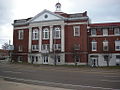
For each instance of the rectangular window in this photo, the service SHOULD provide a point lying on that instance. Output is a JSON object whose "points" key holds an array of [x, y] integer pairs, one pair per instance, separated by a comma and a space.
{"points": [[105, 46], [105, 32], [45, 47], [35, 34], [76, 30], [76, 46], [117, 45], [93, 32], [116, 31], [94, 46], [35, 47], [20, 34], [57, 46], [20, 48]]}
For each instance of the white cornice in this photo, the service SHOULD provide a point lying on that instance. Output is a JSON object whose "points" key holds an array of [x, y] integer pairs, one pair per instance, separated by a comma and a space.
{"points": [[103, 36], [44, 11], [76, 23]]}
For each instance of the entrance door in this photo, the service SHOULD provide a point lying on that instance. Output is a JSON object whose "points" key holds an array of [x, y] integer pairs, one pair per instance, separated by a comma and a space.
{"points": [[45, 59], [117, 59], [94, 62]]}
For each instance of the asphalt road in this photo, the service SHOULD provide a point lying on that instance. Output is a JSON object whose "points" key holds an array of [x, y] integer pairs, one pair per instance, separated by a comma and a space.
{"points": [[65, 77]]}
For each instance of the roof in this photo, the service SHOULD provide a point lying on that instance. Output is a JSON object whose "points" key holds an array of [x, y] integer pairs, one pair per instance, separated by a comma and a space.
{"points": [[58, 4], [74, 15], [62, 15], [105, 24]]}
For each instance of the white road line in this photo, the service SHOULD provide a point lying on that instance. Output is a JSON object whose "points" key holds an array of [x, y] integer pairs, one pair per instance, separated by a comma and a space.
{"points": [[53, 83], [112, 76], [117, 81], [11, 72]]}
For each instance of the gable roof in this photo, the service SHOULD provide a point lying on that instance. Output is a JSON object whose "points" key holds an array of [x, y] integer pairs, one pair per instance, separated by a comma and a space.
{"points": [[46, 11]]}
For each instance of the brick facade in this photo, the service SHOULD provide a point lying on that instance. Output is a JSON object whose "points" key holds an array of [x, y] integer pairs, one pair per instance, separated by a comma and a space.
{"points": [[66, 41]]}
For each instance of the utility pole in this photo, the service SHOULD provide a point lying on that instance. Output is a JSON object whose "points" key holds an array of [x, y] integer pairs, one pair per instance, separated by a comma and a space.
{"points": [[9, 50]]}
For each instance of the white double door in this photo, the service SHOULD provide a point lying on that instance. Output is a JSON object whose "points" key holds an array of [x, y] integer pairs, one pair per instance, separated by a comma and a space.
{"points": [[45, 59]]}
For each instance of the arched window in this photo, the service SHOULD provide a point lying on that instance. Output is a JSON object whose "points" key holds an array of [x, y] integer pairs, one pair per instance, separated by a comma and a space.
{"points": [[45, 33], [35, 34], [94, 45], [57, 33]]}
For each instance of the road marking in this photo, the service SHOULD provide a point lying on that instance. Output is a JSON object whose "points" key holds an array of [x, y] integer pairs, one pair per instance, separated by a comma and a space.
{"points": [[112, 76], [84, 71], [11, 72], [54, 83], [117, 81]]}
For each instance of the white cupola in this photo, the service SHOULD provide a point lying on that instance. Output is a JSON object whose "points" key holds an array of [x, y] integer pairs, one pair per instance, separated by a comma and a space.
{"points": [[58, 7]]}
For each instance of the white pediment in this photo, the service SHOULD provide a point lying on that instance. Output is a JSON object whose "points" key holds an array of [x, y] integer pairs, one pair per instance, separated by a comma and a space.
{"points": [[46, 16]]}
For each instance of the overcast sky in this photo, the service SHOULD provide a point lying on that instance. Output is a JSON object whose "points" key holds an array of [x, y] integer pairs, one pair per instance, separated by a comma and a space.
{"points": [[98, 11]]}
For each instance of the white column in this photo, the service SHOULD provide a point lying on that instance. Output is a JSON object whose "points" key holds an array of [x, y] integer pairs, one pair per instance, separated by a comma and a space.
{"points": [[51, 38], [40, 38], [30, 39], [62, 38]]}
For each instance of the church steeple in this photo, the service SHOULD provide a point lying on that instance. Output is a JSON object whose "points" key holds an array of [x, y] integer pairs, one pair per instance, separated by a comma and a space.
{"points": [[58, 7]]}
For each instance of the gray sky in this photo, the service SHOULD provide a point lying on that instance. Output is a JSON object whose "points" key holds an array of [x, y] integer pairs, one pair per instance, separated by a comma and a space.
{"points": [[98, 11]]}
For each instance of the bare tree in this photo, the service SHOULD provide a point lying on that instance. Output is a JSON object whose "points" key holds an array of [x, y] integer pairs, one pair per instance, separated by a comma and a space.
{"points": [[107, 58], [5, 46], [76, 53], [107, 54]]}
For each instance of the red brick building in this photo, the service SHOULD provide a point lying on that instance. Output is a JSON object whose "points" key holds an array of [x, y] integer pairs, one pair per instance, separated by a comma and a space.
{"points": [[104, 43], [61, 38]]}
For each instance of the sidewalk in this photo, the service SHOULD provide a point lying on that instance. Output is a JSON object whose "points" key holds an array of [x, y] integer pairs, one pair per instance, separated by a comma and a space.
{"points": [[65, 68], [6, 85]]}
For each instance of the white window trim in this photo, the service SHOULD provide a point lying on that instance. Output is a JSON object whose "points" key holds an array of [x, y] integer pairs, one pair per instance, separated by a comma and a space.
{"points": [[35, 58], [57, 29], [117, 31], [45, 30], [35, 48], [94, 42], [117, 43], [20, 48], [74, 28], [92, 32], [57, 58], [47, 47], [105, 32], [45, 59], [20, 34], [77, 46], [105, 44], [20, 58], [77, 59], [57, 46], [35, 34]]}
